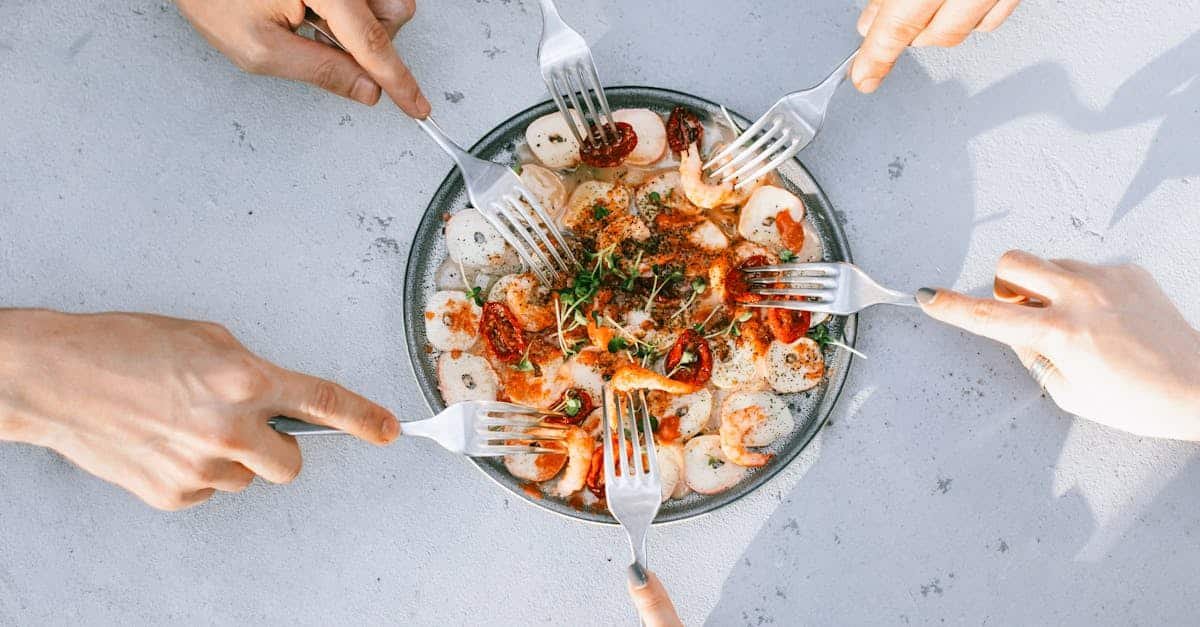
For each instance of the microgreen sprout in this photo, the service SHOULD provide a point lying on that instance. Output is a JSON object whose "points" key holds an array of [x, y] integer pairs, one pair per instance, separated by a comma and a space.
{"points": [[698, 287], [732, 329], [661, 281]]}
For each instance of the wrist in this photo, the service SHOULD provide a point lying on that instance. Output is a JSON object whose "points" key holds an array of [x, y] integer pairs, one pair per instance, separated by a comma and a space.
{"points": [[18, 369]]}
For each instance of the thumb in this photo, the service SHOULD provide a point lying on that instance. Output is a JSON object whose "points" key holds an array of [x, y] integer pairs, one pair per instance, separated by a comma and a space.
{"points": [[302, 59], [650, 598], [1009, 323]]}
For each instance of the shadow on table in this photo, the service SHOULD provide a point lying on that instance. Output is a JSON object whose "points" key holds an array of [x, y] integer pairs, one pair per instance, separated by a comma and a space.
{"points": [[1053, 515]]}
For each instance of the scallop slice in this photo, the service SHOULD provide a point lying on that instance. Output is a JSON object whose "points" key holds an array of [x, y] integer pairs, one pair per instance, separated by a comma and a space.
{"points": [[757, 220], [651, 135], [498, 293], [536, 468], [551, 140], [813, 249], [546, 186], [795, 367], [581, 208], [530, 301], [738, 369], [779, 421], [681, 487], [663, 192], [708, 236], [451, 321], [466, 377], [448, 276], [472, 241], [577, 374], [670, 468], [692, 410], [705, 467]]}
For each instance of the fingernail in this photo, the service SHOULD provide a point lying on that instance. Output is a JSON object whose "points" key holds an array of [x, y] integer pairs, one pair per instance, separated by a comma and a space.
{"points": [[390, 428], [868, 85], [925, 295], [423, 104], [365, 91], [637, 575]]}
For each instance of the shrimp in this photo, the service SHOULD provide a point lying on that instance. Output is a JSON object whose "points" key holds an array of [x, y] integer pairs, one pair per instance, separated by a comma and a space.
{"points": [[530, 302], [629, 378], [691, 179], [735, 425], [579, 458]]}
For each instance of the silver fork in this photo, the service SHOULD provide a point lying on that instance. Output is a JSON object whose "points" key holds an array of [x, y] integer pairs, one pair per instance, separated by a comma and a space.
{"points": [[784, 130], [635, 494], [472, 428], [497, 193], [568, 68], [837, 288]]}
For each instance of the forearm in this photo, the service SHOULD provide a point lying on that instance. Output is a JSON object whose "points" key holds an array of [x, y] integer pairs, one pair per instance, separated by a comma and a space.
{"points": [[18, 368]]}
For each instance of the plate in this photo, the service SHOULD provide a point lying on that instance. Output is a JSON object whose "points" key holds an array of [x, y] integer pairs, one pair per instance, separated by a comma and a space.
{"points": [[810, 409]]}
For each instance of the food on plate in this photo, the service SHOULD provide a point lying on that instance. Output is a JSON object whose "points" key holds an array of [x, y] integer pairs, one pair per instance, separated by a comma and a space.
{"points": [[657, 311]]}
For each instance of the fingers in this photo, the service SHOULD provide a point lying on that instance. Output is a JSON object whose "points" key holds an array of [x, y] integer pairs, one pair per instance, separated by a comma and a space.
{"points": [[1020, 275], [271, 455], [231, 477], [322, 402], [369, 42], [651, 599], [1054, 383], [893, 29], [1004, 322], [867, 17], [997, 15], [953, 22], [392, 13], [303, 59]]}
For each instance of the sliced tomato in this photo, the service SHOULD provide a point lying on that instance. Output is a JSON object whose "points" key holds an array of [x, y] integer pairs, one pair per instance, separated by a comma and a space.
{"points": [[683, 128], [790, 231], [787, 325], [503, 334], [565, 416], [690, 359], [668, 429], [737, 288], [599, 153]]}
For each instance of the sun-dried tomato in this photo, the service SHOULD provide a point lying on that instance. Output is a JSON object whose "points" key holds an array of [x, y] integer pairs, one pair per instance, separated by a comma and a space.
{"points": [[500, 329], [565, 405], [788, 325], [737, 287], [690, 359], [683, 128], [600, 151], [790, 231]]}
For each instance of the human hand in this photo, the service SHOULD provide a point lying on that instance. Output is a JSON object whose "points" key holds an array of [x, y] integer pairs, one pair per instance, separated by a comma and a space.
{"points": [[1123, 355], [650, 598], [168, 409], [890, 26], [259, 36]]}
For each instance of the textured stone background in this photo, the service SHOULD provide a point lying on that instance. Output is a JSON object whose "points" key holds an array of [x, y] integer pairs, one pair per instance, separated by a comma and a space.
{"points": [[140, 171]]}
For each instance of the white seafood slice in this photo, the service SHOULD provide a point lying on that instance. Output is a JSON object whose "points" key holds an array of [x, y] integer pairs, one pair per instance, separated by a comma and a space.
{"points": [[757, 220], [670, 468], [465, 377], [794, 367], [530, 301], [449, 276], [818, 318], [813, 249], [547, 187], [576, 373], [778, 417], [536, 468], [581, 208], [737, 367], [552, 142], [651, 135], [706, 468], [693, 411], [708, 236], [472, 241], [681, 487], [621, 227], [498, 293], [662, 192], [484, 282], [451, 321]]}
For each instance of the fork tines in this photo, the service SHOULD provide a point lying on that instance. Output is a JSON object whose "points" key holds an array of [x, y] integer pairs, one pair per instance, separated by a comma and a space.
{"points": [[530, 230], [771, 139], [623, 410], [812, 282], [506, 428], [581, 82]]}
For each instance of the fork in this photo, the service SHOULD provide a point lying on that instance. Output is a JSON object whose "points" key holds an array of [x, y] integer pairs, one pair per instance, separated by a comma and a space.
{"points": [[472, 428], [837, 288], [497, 193], [635, 494], [567, 67], [784, 130]]}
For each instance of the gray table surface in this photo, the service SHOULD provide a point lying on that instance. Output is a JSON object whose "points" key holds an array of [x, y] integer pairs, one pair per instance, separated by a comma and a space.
{"points": [[139, 170]]}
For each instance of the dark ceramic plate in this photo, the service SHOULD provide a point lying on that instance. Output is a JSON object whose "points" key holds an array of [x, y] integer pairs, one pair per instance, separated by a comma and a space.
{"points": [[810, 409]]}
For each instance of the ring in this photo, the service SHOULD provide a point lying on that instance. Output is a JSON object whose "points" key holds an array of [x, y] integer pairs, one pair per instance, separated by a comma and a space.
{"points": [[1040, 370]]}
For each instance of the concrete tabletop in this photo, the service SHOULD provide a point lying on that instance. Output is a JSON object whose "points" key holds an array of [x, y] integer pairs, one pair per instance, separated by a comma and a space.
{"points": [[139, 170]]}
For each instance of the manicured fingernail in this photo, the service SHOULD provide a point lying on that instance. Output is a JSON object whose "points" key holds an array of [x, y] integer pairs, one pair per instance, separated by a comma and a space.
{"points": [[365, 91], [925, 295], [868, 85], [637, 575], [390, 428], [423, 104]]}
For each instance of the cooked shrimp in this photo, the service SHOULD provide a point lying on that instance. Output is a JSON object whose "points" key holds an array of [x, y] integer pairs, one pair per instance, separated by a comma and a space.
{"points": [[706, 468], [700, 193], [629, 378], [540, 385], [734, 427], [579, 459], [530, 301], [795, 367]]}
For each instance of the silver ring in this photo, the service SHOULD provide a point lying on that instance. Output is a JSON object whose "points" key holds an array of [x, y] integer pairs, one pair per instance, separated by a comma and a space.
{"points": [[1040, 370]]}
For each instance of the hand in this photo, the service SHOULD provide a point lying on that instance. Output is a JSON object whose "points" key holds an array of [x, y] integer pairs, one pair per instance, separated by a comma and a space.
{"points": [[259, 36], [1123, 355], [650, 598], [890, 26], [167, 409]]}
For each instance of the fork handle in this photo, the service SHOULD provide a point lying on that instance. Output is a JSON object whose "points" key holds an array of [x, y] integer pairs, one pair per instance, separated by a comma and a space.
{"points": [[291, 426]]}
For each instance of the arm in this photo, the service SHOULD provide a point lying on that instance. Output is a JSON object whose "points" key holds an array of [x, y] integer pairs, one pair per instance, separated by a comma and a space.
{"points": [[168, 409]]}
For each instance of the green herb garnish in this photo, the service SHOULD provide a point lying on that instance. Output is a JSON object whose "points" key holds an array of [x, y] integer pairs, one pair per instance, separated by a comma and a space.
{"points": [[787, 256], [599, 211]]}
